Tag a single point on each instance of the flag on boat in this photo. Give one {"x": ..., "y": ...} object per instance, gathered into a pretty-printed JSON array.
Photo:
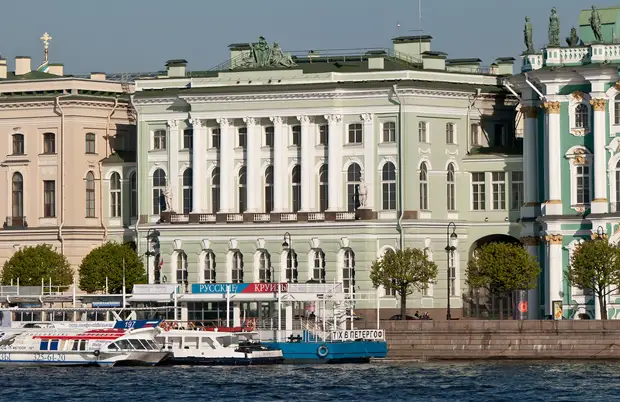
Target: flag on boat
[{"x": 151, "y": 324}]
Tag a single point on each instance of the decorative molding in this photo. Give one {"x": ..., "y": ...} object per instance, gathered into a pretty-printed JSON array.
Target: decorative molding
[
  {"x": 173, "y": 124},
  {"x": 315, "y": 243},
  {"x": 617, "y": 86},
  {"x": 251, "y": 121},
  {"x": 455, "y": 153},
  {"x": 177, "y": 244},
  {"x": 598, "y": 104},
  {"x": 206, "y": 244},
  {"x": 196, "y": 123},
  {"x": 613, "y": 147},
  {"x": 578, "y": 96},
  {"x": 552, "y": 107},
  {"x": 277, "y": 120},
  {"x": 530, "y": 240},
  {"x": 366, "y": 117},
  {"x": 224, "y": 122},
  {"x": 333, "y": 118},
  {"x": 344, "y": 242},
  {"x": 305, "y": 119},
  {"x": 553, "y": 238},
  {"x": 233, "y": 244},
  {"x": 424, "y": 151},
  {"x": 530, "y": 112},
  {"x": 260, "y": 243},
  {"x": 579, "y": 132}
]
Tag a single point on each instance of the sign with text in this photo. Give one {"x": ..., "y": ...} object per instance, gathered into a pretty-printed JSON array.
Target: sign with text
[
  {"x": 352, "y": 335},
  {"x": 235, "y": 288},
  {"x": 157, "y": 289}
]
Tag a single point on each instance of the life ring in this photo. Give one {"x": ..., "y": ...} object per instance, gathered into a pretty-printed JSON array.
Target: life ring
[
  {"x": 96, "y": 353},
  {"x": 250, "y": 325},
  {"x": 322, "y": 351}
]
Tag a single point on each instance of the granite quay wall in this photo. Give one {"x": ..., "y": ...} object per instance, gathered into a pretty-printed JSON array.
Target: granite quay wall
[{"x": 477, "y": 339}]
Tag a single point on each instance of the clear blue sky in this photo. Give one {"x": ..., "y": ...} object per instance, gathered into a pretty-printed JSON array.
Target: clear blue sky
[{"x": 140, "y": 35}]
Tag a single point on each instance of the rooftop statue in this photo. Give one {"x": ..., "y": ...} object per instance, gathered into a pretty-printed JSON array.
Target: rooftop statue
[
  {"x": 262, "y": 55},
  {"x": 573, "y": 39},
  {"x": 595, "y": 23},
  {"x": 554, "y": 28},
  {"x": 527, "y": 36}
]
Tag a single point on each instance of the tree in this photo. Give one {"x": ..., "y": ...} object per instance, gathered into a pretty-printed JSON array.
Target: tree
[
  {"x": 502, "y": 268},
  {"x": 595, "y": 266},
  {"x": 32, "y": 264},
  {"x": 403, "y": 271},
  {"x": 107, "y": 261}
]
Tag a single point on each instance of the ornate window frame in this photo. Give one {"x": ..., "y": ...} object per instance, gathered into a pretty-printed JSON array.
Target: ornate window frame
[
  {"x": 611, "y": 94},
  {"x": 579, "y": 156},
  {"x": 579, "y": 98}
]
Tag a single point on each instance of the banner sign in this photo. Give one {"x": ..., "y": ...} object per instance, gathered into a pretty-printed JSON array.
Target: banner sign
[
  {"x": 352, "y": 335},
  {"x": 234, "y": 288},
  {"x": 157, "y": 289}
]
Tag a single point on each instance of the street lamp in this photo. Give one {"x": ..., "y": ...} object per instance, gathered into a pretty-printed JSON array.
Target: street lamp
[
  {"x": 450, "y": 248},
  {"x": 599, "y": 233},
  {"x": 152, "y": 237}
]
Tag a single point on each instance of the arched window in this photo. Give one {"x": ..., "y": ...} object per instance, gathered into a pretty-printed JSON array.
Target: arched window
[
  {"x": 291, "y": 266},
  {"x": 115, "y": 195},
  {"x": 389, "y": 186},
  {"x": 348, "y": 272},
  {"x": 18, "y": 144},
  {"x": 209, "y": 267},
  {"x": 187, "y": 190},
  {"x": 243, "y": 196},
  {"x": 451, "y": 188},
  {"x": 18, "y": 195},
  {"x": 354, "y": 176},
  {"x": 423, "y": 187},
  {"x": 323, "y": 188},
  {"x": 181, "y": 267},
  {"x": 159, "y": 185},
  {"x": 49, "y": 143},
  {"x": 617, "y": 109},
  {"x": 90, "y": 195},
  {"x": 89, "y": 140},
  {"x": 133, "y": 194},
  {"x": 269, "y": 189},
  {"x": 237, "y": 267},
  {"x": 296, "y": 188},
  {"x": 215, "y": 190},
  {"x": 318, "y": 271},
  {"x": 264, "y": 267},
  {"x": 581, "y": 116}
]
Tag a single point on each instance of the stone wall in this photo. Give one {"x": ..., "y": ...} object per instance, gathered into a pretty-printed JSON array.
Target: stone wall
[{"x": 476, "y": 339}]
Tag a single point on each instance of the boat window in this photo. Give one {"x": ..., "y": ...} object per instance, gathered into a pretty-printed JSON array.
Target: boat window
[
  {"x": 44, "y": 345},
  {"x": 82, "y": 345},
  {"x": 113, "y": 346},
  {"x": 226, "y": 341},
  {"x": 136, "y": 344},
  {"x": 54, "y": 344},
  {"x": 153, "y": 345},
  {"x": 75, "y": 345},
  {"x": 123, "y": 344},
  {"x": 208, "y": 341}
]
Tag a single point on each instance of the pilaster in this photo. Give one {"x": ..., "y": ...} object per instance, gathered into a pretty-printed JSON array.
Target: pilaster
[
  {"x": 554, "y": 271},
  {"x": 369, "y": 158},
  {"x": 173, "y": 163},
  {"x": 253, "y": 165},
  {"x": 600, "y": 203},
  {"x": 279, "y": 165},
  {"x": 530, "y": 161},
  {"x": 227, "y": 144},
  {"x": 334, "y": 162},
  {"x": 554, "y": 183},
  {"x": 307, "y": 159},
  {"x": 533, "y": 295},
  {"x": 199, "y": 148}
]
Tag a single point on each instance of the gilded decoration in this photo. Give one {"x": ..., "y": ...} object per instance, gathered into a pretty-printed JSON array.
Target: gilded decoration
[
  {"x": 598, "y": 104},
  {"x": 578, "y": 96},
  {"x": 579, "y": 157},
  {"x": 552, "y": 107},
  {"x": 596, "y": 236},
  {"x": 530, "y": 240},
  {"x": 530, "y": 112},
  {"x": 617, "y": 86},
  {"x": 553, "y": 238}
]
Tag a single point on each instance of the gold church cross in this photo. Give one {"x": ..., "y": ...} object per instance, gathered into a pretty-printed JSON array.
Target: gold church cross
[{"x": 46, "y": 38}]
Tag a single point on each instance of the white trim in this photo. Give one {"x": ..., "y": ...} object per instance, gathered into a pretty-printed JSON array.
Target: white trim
[
  {"x": 572, "y": 105},
  {"x": 351, "y": 160},
  {"x": 611, "y": 94},
  {"x": 571, "y": 155}
]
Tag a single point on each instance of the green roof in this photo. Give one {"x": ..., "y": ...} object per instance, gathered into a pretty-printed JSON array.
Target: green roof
[
  {"x": 608, "y": 15},
  {"x": 119, "y": 157},
  {"x": 33, "y": 75}
]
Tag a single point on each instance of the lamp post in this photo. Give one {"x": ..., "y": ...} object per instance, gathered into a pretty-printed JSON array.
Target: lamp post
[
  {"x": 287, "y": 244},
  {"x": 599, "y": 233},
  {"x": 450, "y": 247},
  {"x": 152, "y": 237}
]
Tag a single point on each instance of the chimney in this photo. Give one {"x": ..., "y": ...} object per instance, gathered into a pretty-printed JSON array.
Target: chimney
[
  {"x": 176, "y": 68},
  {"x": 237, "y": 52},
  {"x": 412, "y": 47},
  {"x": 3, "y": 69},
  {"x": 97, "y": 76},
  {"x": 504, "y": 65},
  {"x": 22, "y": 65},
  {"x": 56, "y": 69},
  {"x": 376, "y": 59},
  {"x": 463, "y": 65},
  {"x": 434, "y": 60}
]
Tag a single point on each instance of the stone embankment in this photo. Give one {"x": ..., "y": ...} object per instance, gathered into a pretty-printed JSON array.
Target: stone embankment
[{"x": 474, "y": 339}]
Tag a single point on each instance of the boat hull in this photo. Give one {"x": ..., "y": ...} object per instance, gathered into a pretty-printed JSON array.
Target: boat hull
[
  {"x": 81, "y": 359},
  {"x": 329, "y": 352},
  {"x": 220, "y": 361}
]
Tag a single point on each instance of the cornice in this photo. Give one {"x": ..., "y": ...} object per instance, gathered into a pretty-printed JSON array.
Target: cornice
[{"x": 65, "y": 103}]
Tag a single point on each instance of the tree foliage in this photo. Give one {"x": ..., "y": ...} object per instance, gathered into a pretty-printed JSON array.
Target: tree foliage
[
  {"x": 106, "y": 261},
  {"x": 403, "y": 271},
  {"x": 595, "y": 266},
  {"x": 32, "y": 264}
]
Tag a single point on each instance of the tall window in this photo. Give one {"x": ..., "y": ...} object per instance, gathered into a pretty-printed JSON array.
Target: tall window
[
  {"x": 581, "y": 116},
  {"x": 388, "y": 175},
  {"x": 389, "y": 131},
  {"x": 242, "y": 138},
  {"x": 237, "y": 267},
  {"x": 296, "y": 140},
  {"x": 243, "y": 196},
  {"x": 423, "y": 131},
  {"x": 296, "y": 188},
  {"x": 348, "y": 272},
  {"x": 159, "y": 185},
  {"x": 474, "y": 132},
  {"x": 188, "y": 177},
  {"x": 323, "y": 134},
  {"x": 451, "y": 188},
  {"x": 209, "y": 267},
  {"x": 159, "y": 140},
  {"x": 478, "y": 191},
  {"x": 49, "y": 198},
  {"x": 18, "y": 195},
  {"x": 423, "y": 187},
  {"x": 452, "y": 271},
  {"x": 89, "y": 143},
  {"x": 49, "y": 143},
  {"x": 617, "y": 109},
  {"x": 215, "y": 190},
  {"x": 354, "y": 176},
  {"x": 498, "y": 137},
  {"x": 355, "y": 133},
  {"x": 318, "y": 272},
  {"x": 291, "y": 266},
  {"x": 617, "y": 187},
  {"x": 188, "y": 138},
  {"x": 516, "y": 190},
  {"x": 269, "y": 189},
  {"x": 115, "y": 195},
  {"x": 18, "y": 144},
  {"x": 450, "y": 133},
  {"x": 181, "y": 267},
  {"x": 215, "y": 138},
  {"x": 269, "y": 136},
  {"x": 583, "y": 184},
  {"x": 264, "y": 267},
  {"x": 133, "y": 194},
  {"x": 323, "y": 188},
  {"x": 90, "y": 195},
  {"x": 498, "y": 185}
]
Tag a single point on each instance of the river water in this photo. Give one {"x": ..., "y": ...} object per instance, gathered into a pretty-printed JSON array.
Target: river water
[{"x": 423, "y": 381}]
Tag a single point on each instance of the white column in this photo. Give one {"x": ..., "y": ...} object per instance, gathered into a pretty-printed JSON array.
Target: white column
[
  {"x": 555, "y": 269},
  {"x": 226, "y": 165},
  {"x": 173, "y": 164},
  {"x": 307, "y": 162},
  {"x": 530, "y": 161},
  {"x": 334, "y": 162},
  {"x": 554, "y": 203},
  {"x": 533, "y": 295},
  {"x": 599, "y": 203},
  {"x": 199, "y": 148},
  {"x": 280, "y": 193},
  {"x": 253, "y": 165},
  {"x": 369, "y": 159}
]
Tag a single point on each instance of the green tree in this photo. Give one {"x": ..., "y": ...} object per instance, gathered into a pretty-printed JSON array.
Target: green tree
[
  {"x": 595, "y": 266},
  {"x": 107, "y": 261},
  {"x": 403, "y": 271},
  {"x": 32, "y": 264}
]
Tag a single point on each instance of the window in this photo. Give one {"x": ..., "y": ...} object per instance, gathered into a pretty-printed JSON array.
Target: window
[
  {"x": 474, "y": 132},
  {"x": 617, "y": 109},
  {"x": 188, "y": 138},
  {"x": 264, "y": 267},
  {"x": 49, "y": 143},
  {"x": 269, "y": 136},
  {"x": 90, "y": 195},
  {"x": 451, "y": 188},
  {"x": 296, "y": 188},
  {"x": 428, "y": 290},
  {"x": 188, "y": 177},
  {"x": 318, "y": 272},
  {"x": 389, "y": 186},
  {"x": 498, "y": 186},
  {"x": 583, "y": 184},
  {"x": 291, "y": 266},
  {"x": 516, "y": 190},
  {"x": 450, "y": 133},
  {"x": 323, "y": 188},
  {"x": 133, "y": 194},
  {"x": 237, "y": 267},
  {"x": 269, "y": 189},
  {"x": 423, "y": 187},
  {"x": 181, "y": 267},
  {"x": 478, "y": 191},
  {"x": 296, "y": 139},
  {"x": 242, "y": 137},
  {"x": 215, "y": 190},
  {"x": 243, "y": 196},
  {"x": 215, "y": 138},
  {"x": 89, "y": 142},
  {"x": 348, "y": 272},
  {"x": 581, "y": 116},
  {"x": 452, "y": 272},
  {"x": 115, "y": 195},
  {"x": 389, "y": 131},
  {"x": 617, "y": 188},
  {"x": 324, "y": 134},
  {"x": 423, "y": 131},
  {"x": 498, "y": 138},
  {"x": 18, "y": 195},
  {"x": 49, "y": 199},
  {"x": 18, "y": 144},
  {"x": 354, "y": 177},
  {"x": 209, "y": 267},
  {"x": 355, "y": 133},
  {"x": 159, "y": 185}
]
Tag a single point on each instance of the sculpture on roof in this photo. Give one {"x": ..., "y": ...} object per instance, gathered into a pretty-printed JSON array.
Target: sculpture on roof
[
  {"x": 262, "y": 55},
  {"x": 278, "y": 57},
  {"x": 527, "y": 36},
  {"x": 573, "y": 39},
  {"x": 595, "y": 24},
  {"x": 554, "y": 28}
]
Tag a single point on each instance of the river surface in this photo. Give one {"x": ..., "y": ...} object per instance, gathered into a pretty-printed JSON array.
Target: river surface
[{"x": 415, "y": 381}]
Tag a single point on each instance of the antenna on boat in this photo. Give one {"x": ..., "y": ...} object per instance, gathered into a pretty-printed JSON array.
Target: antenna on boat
[{"x": 124, "y": 297}]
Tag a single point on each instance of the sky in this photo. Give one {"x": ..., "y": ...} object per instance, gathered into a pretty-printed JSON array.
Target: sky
[{"x": 116, "y": 36}]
